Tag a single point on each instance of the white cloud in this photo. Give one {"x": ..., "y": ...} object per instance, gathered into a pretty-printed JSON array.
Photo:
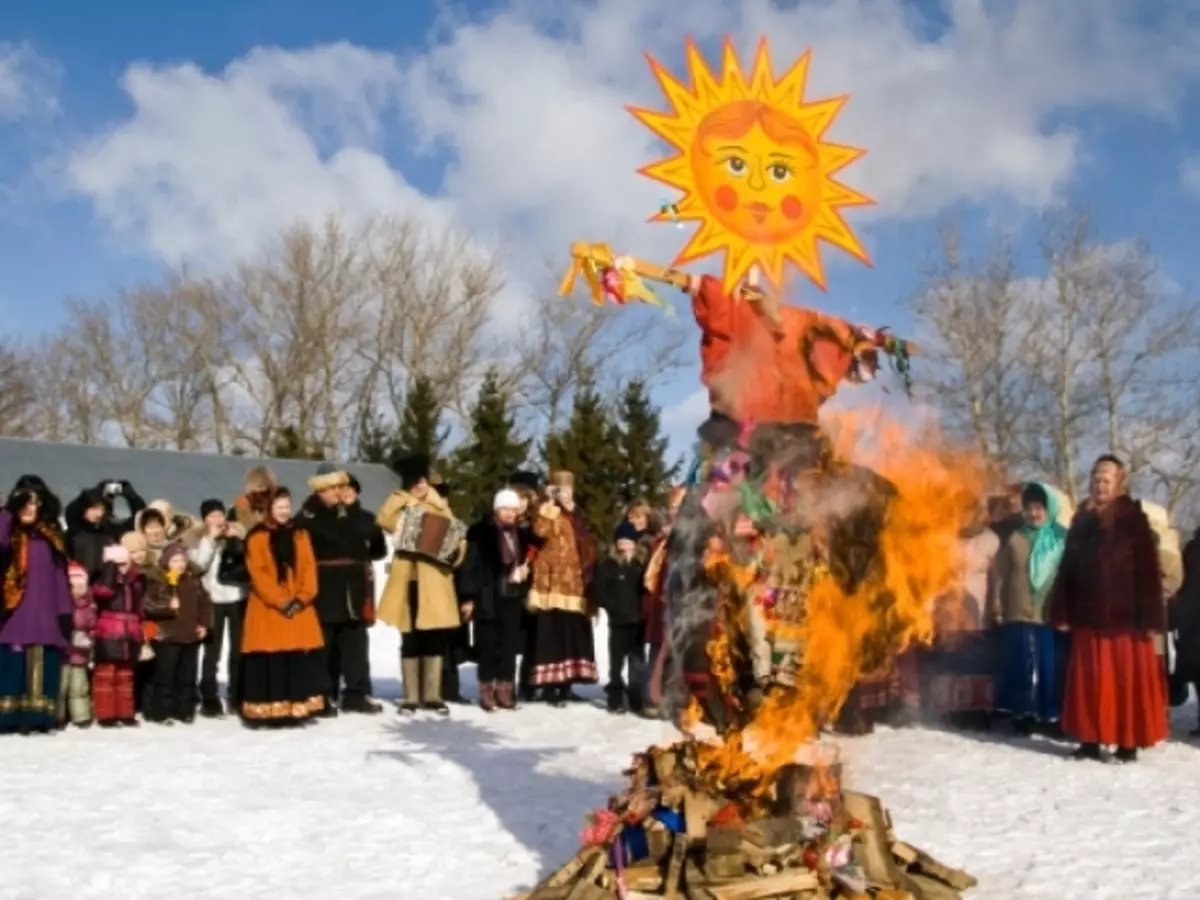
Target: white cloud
[{"x": 28, "y": 82}]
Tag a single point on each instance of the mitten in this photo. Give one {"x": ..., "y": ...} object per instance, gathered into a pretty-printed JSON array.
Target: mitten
[{"x": 292, "y": 608}]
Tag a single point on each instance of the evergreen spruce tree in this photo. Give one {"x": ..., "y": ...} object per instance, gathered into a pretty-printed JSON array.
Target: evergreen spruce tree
[
  {"x": 644, "y": 472},
  {"x": 376, "y": 441},
  {"x": 589, "y": 448},
  {"x": 421, "y": 428},
  {"x": 490, "y": 454}
]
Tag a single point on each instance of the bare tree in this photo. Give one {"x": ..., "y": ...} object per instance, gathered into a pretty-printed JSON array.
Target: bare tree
[
  {"x": 17, "y": 391},
  {"x": 65, "y": 404},
  {"x": 977, "y": 315}
]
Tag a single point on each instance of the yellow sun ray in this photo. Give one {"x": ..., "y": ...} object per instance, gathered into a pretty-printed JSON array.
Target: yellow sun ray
[{"x": 749, "y": 157}]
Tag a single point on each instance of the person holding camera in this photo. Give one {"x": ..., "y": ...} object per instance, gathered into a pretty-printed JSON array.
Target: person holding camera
[
  {"x": 282, "y": 683},
  {"x": 92, "y": 524},
  {"x": 217, "y": 548}
]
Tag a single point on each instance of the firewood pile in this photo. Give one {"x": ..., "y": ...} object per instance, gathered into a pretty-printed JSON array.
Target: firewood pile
[{"x": 669, "y": 836}]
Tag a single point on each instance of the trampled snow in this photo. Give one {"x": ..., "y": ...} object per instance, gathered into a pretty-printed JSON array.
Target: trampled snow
[{"x": 478, "y": 807}]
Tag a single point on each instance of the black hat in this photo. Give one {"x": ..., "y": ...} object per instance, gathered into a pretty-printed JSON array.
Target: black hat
[
  {"x": 208, "y": 507},
  {"x": 531, "y": 480},
  {"x": 353, "y": 483},
  {"x": 626, "y": 532},
  {"x": 412, "y": 469}
]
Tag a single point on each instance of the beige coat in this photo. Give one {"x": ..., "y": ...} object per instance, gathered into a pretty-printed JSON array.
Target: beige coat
[
  {"x": 437, "y": 607},
  {"x": 1010, "y": 596}
]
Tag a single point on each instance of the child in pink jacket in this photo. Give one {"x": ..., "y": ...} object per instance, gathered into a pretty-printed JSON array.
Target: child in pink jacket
[{"x": 75, "y": 697}]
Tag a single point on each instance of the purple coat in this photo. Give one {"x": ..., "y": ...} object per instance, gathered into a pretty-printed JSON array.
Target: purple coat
[{"x": 47, "y": 595}]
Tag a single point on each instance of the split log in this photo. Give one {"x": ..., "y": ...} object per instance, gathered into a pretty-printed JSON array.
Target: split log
[
  {"x": 565, "y": 875},
  {"x": 587, "y": 890},
  {"x": 723, "y": 839},
  {"x": 923, "y": 887},
  {"x": 643, "y": 876},
  {"x": 922, "y": 862},
  {"x": 872, "y": 850},
  {"x": 783, "y": 885},
  {"x": 675, "y": 869}
]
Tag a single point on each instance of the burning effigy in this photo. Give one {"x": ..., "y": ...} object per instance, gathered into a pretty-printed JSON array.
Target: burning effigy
[{"x": 810, "y": 547}]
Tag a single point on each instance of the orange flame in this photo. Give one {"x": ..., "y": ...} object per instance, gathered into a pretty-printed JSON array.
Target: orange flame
[{"x": 848, "y": 635}]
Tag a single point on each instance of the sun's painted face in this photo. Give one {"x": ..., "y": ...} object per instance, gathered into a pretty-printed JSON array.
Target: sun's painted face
[
  {"x": 753, "y": 167},
  {"x": 762, "y": 189}
]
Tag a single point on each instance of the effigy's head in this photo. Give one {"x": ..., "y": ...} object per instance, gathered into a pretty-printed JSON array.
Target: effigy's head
[
  {"x": 750, "y": 157},
  {"x": 803, "y": 559}
]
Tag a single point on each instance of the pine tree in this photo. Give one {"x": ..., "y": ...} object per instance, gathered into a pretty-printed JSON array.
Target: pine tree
[
  {"x": 421, "y": 428},
  {"x": 376, "y": 440},
  {"x": 492, "y": 452},
  {"x": 644, "y": 472},
  {"x": 588, "y": 448}
]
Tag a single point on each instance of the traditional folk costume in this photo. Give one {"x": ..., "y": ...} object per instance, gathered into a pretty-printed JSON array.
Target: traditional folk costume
[
  {"x": 565, "y": 652},
  {"x": 460, "y": 647},
  {"x": 419, "y": 598},
  {"x": 345, "y": 541},
  {"x": 181, "y": 607},
  {"x": 1109, "y": 593},
  {"x": 1031, "y": 655},
  {"x": 35, "y": 615},
  {"x": 75, "y": 694},
  {"x": 120, "y": 610},
  {"x": 495, "y": 578},
  {"x": 282, "y": 682}
]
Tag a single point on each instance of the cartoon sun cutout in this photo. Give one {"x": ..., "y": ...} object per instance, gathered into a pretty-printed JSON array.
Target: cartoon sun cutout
[{"x": 753, "y": 167}]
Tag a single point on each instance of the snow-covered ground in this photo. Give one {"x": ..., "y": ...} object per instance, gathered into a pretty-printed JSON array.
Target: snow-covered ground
[{"x": 477, "y": 807}]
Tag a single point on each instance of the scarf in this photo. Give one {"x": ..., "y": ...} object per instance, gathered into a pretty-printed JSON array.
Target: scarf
[
  {"x": 283, "y": 549},
  {"x": 510, "y": 545},
  {"x": 16, "y": 578},
  {"x": 1046, "y": 546}
]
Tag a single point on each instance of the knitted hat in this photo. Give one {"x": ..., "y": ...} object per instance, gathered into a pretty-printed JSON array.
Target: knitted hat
[
  {"x": 329, "y": 476},
  {"x": 169, "y": 552},
  {"x": 208, "y": 507},
  {"x": 626, "y": 532},
  {"x": 506, "y": 498},
  {"x": 77, "y": 573}
]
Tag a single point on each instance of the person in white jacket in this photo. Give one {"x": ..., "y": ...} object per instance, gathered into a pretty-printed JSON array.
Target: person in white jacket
[{"x": 216, "y": 547}]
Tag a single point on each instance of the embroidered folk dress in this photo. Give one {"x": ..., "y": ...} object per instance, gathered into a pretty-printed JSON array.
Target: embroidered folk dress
[{"x": 32, "y": 645}]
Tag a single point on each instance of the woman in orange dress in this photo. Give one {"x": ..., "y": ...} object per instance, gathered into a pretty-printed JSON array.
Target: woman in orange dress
[
  {"x": 1108, "y": 593},
  {"x": 281, "y": 680}
]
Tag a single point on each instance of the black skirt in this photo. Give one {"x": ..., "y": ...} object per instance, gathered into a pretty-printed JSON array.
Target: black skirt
[
  {"x": 281, "y": 687},
  {"x": 565, "y": 651}
]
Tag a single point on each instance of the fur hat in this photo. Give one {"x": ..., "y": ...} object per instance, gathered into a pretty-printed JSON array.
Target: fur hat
[
  {"x": 412, "y": 469},
  {"x": 531, "y": 480},
  {"x": 506, "y": 498},
  {"x": 134, "y": 542},
  {"x": 328, "y": 477},
  {"x": 562, "y": 478},
  {"x": 259, "y": 480}
]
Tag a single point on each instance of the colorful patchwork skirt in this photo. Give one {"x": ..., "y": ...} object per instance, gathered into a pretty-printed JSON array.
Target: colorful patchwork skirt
[
  {"x": 30, "y": 680},
  {"x": 281, "y": 687}
]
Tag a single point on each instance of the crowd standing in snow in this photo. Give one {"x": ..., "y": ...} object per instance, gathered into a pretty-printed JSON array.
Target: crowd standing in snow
[{"x": 1063, "y": 624}]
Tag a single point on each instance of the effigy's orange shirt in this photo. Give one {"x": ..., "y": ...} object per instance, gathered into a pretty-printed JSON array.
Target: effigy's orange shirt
[{"x": 754, "y": 375}]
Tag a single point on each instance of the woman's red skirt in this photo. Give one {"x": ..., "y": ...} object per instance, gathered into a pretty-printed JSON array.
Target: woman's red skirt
[{"x": 1116, "y": 693}]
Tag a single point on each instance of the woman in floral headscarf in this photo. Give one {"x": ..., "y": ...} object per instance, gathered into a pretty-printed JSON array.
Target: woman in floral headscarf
[
  {"x": 1032, "y": 655},
  {"x": 35, "y": 612}
]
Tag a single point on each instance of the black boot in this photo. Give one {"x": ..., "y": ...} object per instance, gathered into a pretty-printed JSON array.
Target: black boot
[
  {"x": 1088, "y": 752},
  {"x": 1125, "y": 755},
  {"x": 361, "y": 704},
  {"x": 212, "y": 708},
  {"x": 328, "y": 711}
]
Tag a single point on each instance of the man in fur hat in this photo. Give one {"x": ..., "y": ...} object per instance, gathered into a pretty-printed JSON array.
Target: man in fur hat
[
  {"x": 343, "y": 546},
  {"x": 419, "y": 599}
]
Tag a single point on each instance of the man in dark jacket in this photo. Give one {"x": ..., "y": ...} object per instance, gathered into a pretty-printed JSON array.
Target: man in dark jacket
[
  {"x": 92, "y": 523},
  {"x": 344, "y": 545},
  {"x": 617, "y": 589}
]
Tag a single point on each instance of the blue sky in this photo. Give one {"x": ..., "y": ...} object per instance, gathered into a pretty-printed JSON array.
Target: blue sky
[{"x": 989, "y": 111}]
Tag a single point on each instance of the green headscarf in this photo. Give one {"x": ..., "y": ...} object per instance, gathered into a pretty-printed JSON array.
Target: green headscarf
[{"x": 1047, "y": 543}]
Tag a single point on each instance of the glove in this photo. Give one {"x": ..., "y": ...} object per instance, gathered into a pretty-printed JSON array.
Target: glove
[
  {"x": 293, "y": 607},
  {"x": 65, "y": 625}
]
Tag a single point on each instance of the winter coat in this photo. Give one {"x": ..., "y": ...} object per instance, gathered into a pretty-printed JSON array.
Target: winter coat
[
  {"x": 222, "y": 562},
  {"x": 86, "y": 542},
  {"x": 654, "y": 598},
  {"x": 1185, "y": 613},
  {"x": 43, "y": 615},
  {"x": 178, "y": 626},
  {"x": 565, "y": 563},
  {"x": 1010, "y": 595},
  {"x": 483, "y": 578},
  {"x": 120, "y": 608},
  {"x": 1109, "y": 576},
  {"x": 83, "y": 627},
  {"x": 109, "y": 524},
  {"x": 267, "y": 629},
  {"x": 437, "y": 607},
  {"x": 345, "y": 540},
  {"x": 617, "y": 589}
]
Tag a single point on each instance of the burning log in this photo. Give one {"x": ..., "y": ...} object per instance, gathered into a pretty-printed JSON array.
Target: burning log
[{"x": 670, "y": 835}]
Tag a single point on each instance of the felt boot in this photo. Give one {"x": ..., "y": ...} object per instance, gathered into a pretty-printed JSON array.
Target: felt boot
[
  {"x": 410, "y": 670},
  {"x": 431, "y": 686}
]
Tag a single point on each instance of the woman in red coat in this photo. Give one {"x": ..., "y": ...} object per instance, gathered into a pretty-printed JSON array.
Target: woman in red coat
[{"x": 1108, "y": 594}]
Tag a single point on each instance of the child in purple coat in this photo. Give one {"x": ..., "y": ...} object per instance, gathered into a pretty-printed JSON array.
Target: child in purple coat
[{"x": 75, "y": 701}]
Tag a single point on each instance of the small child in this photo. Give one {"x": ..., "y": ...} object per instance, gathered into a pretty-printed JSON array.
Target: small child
[
  {"x": 617, "y": 589},
  {"x": 75, "y": 700},
  {"x": 120, "y": 603},
  {"x": 177, "y": 601}
]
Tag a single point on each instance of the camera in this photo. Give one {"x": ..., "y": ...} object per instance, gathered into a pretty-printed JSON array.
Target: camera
[{"x": 113, "y": 488}]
